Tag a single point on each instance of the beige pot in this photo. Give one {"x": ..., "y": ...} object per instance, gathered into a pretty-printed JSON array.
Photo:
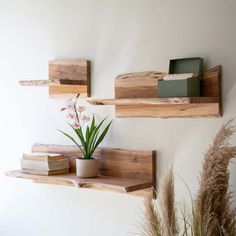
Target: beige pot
[{"x": 86, "y": 168}]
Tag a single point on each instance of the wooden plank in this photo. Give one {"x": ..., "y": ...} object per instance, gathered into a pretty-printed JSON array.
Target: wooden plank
[
  {"x": 50, "y": 82},
  {"x": 126, "y": 163},
  {"x": 113, "y": 162},
  {"x": 60, "y": 91},
  {"x": 41, "y": 83},
  {"x": 153, "y": 101},
  {"x": 68, "y": 69},
  {"x": 122, "y": 185},
  {"x": 170, "y": 111},
  {"x": 211, "y": 85},
  {"x": 211, "y": 82},
  {"x": 137, "y": 85},
  {"x": 144, "y": 193},
  {"x": 77, "y": 70}
]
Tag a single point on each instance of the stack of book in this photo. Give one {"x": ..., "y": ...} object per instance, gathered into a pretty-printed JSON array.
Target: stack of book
[{"x": 44, "y": 164}]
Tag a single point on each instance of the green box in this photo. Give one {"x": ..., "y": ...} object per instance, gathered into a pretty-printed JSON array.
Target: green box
[
  {"x": 179, "y": 88},
  {"x": 187, "y": 65},
  {"x": 182, "y": 88}
]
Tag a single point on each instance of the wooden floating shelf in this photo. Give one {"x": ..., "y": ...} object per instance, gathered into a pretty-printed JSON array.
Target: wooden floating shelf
[
  {"x": 136, "y": 95},
  {"x": 65, "y": 77},
  {"x": 122, "y": 185},
  {"x": 120, "y": 170},
  {"x": 153, "y": 101},
  {"x": 50, "y": 82}
]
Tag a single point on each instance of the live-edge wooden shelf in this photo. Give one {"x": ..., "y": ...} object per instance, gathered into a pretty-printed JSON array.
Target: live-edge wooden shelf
[
  {"x": 50, "y": 82},
  {"x": 120, "y": 170},
  {"x": 65, "y": 77},
  {"x": 136, "y": 95},
  {"x": 152, "y": 101},
  {"x": 122, "y": 185}
]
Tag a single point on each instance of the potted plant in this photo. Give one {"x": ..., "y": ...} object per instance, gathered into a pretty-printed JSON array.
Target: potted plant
[{"x": 88, "y": 135}]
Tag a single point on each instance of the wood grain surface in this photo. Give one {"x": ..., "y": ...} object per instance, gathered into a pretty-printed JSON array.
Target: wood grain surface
[
  {"x": 145, "y": 85},
  {"x": 72, "y": 70},
  {"x": 152, "y": 101},
  {"x": 122, "y": 185},
  {"x": 114, "y": 162},
  {"x": 50, "y": 82},
  {"x": 137, "y": 85},
  {"x": 120, "y": 170}
]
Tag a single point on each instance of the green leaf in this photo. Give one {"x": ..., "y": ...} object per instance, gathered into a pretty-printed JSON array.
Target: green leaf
[
  {"x": 80, "y": 136},
  {"x": 73, "y": 140},
  {"x": 87, "y": 134},
  {"x": 92, "y": 124},
  {"x": 92, "y": 139},
  {"x": 80, "y": 133},
  {"x": 102, "y": 136},
  {"x": 94, "y": 143}
]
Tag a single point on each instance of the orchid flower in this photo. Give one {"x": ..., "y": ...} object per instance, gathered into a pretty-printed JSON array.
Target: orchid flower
[{"x": 91, "y": 137}]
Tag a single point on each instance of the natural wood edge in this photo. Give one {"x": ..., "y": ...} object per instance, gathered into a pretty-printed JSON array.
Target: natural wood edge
[
  {"x": 137, "y": 193},
  {"x": 65, "y": 95},
  {"x": 153, "y": 74},
  {"x": 41, "y": 83},
  {"x": 216, "y": 69},
  {"x": 170, "y": 117},
  {"x": 62, "y": 182},
  {"x": 152, "y": 101},
  {"x": 51, "y": 82},
  {"x": 136, "y": 189},
  {"x": 75, "y": 62},
  {"x": 144, "y": 192},
  {"x": 193, "y": 111},
  {"x": 88, "y": 79},
  {"x": 41, "y": 178}
]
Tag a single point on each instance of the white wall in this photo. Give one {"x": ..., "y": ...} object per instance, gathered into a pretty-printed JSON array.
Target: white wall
[{"x": 119, "y": 37}]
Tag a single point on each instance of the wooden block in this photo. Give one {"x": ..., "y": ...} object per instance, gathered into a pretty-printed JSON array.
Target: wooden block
[
  {"x": 72, "y": 70},
  {"x": 60, "y": 91},
  {"x": 137, "y": 85},
  {"x": 69, "y": 69},
  {"x": 170, "y": 110}
]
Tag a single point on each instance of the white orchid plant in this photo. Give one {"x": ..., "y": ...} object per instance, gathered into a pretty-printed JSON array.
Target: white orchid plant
[{"x": 90, "y": 136}]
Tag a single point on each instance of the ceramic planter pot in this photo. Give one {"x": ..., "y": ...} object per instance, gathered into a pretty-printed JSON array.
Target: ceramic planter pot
[{"x": 86, "y": 168}]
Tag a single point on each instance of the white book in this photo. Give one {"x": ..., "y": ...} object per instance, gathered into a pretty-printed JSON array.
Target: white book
[
  {"x": 178, "y": 76},
  {"x": 44, "y": 165},
  {"x": 43, "y": 156},
  {"x": 46, "y": 172}
]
